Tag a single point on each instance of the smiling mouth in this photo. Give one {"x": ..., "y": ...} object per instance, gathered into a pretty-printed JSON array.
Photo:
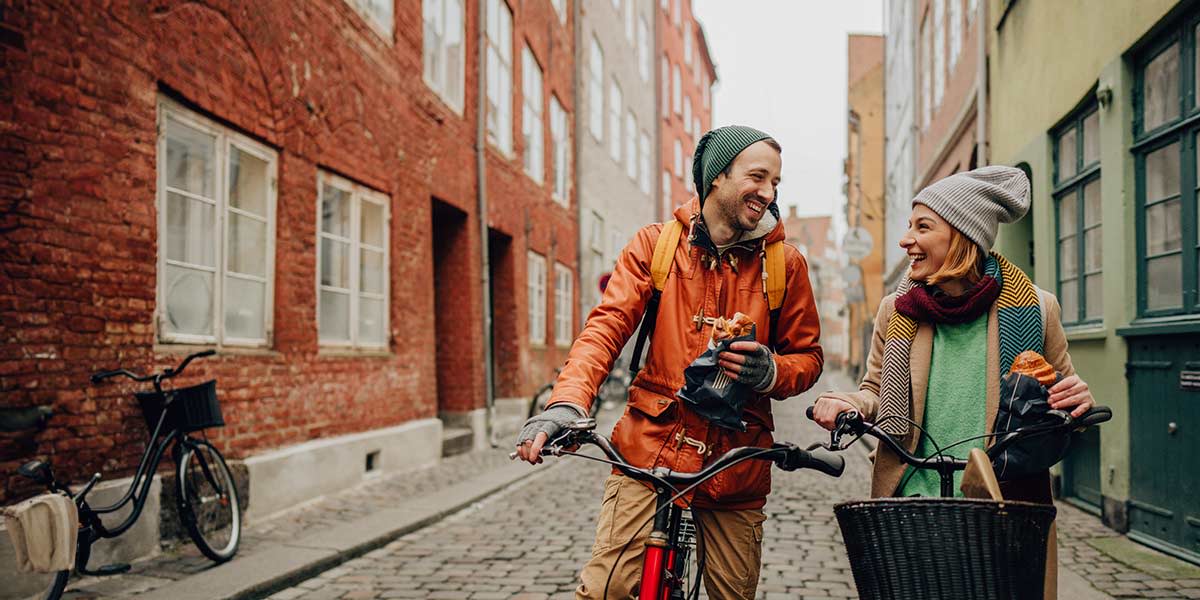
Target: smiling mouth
[
  {"x": 916, "y": 259},
  {"x": 755, "y": 206}
]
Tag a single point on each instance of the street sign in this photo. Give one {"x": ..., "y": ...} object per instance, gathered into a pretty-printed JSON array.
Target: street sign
[
  {"x": 857, "y": 244},
  {"x": 851, "y": 274}
]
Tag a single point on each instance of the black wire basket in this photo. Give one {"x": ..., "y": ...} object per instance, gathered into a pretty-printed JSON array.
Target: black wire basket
[
  {"x": 193, "y": 408},
  {"x": 946, "y": 548}
]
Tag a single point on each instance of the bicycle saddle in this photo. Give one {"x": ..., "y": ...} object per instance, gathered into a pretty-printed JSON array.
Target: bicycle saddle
[{"x": 38, "y": 471}]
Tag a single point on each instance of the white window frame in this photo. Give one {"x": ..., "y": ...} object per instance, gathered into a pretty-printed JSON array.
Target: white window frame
[
  {"x": 358, "y": 195},
  {"x": 676, "y": 90},
  {"x": 225, "y": 140},
  {"x": 697, "y": 131},
  {"x": 675, "y": 12},
  {"x": 666, "y": 194},
  {"x": 561, "y": 152},
  {"x": 687, "y": 114},
  {"x": 678, "y": 159},
  {"x": 384, "y": 25},
  {"x": 706, "y": 88},
  {"x": 645, "y": 56},
  {"x": 687, "y": 48},
  {"x": 615, "y": 99},
  {"x": 926, "y": 33},
  {"x": 435, "y": 53},
  {"x": 532, "y": 122},
  {"x": 535, "y": 283},
  {"x": 628, "y": 14},
  {"x": 644, "y": 156},
  {"x": 687, "y": 169},
  {"x": 596, "y": 90},
  {"x": 666, "y": 88},
  {"x": 956, "y": 31},
  {"x": 499, "y": 62},
  {"x": 564, "y": 293},
  {"x": 631, "y": 150},
  {"x": 939, "y": 51},
  {"x": 560, "y": 7}
]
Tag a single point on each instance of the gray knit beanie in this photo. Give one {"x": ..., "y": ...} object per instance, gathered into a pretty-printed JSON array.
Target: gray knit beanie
[
  {"x": 716, "y": 150},
  {"x": 976, "y": 202}
]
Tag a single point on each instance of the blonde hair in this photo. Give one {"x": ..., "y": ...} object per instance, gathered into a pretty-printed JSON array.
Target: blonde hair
[{"x": 964, "y": 259}]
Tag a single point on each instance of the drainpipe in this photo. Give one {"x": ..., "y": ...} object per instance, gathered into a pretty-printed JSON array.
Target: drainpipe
[
  {"x": 482, "y": 211},
  {"x": 981, "y": 83},
  {"x": 576, "y": 149}
]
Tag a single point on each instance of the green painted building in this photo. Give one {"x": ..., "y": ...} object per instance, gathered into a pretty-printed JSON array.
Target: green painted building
[{"x": 1099, "y": 101}]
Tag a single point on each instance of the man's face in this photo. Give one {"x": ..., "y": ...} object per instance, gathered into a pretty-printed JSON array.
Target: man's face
[{"x": 743, "y": 195}]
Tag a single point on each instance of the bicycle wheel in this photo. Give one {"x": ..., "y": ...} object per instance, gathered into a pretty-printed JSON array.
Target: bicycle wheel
[
  {"x": 207, "y": 501},
  {"x": 54, "y": 585},
  {"x": 537, "y": 403}
]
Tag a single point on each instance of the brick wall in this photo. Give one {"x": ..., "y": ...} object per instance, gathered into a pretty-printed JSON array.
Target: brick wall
[
  {"x": 327, "y": 92},
  {"x": 671, "y": 45}
]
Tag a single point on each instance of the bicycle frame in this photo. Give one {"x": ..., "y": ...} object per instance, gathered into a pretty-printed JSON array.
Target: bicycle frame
[{"x": 665, "y": 556}]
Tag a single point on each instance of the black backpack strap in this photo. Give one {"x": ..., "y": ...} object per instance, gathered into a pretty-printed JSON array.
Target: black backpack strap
[
  {"x": 772, "y": 340},
  {"x": 647, "y": 327}
]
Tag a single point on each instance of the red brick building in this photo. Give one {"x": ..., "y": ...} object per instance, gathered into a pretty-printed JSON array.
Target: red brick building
[
  {"x": 814, "y": 237},
  {"x": 296, "y": 185},
  {"x": 949, "y": 77},
  {"x": 686, "y": 76}
]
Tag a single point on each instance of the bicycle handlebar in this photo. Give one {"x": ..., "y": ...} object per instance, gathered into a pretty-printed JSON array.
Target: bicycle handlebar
[
  {"x": 787, "y": 456},
  {"x": 166, "y": 374}
]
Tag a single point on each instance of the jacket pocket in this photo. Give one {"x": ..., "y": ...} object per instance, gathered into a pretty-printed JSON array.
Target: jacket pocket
[
  {"x": 649, "y": 403},
  {"x": 748, "y": 480}
]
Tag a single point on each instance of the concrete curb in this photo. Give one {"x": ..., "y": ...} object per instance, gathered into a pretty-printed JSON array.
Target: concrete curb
[{"x": 278, "y": 566}]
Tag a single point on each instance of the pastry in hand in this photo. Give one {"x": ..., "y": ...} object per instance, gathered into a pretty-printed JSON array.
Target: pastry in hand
[
  {"x": 737, "y": 326},
  {"x": 1031, "y": 364}
]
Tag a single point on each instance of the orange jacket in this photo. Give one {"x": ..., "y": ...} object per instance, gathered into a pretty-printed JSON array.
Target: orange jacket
[{"x": 657, "y": 428}]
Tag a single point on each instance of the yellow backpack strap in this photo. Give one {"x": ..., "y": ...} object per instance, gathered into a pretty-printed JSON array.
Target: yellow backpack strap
[
  {"x": 664, "y": 252},
  {"x": 776, "y": 274}
]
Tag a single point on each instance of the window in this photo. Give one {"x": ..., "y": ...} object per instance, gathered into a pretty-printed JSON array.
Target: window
[
  {"x": 687, "y": 171},
  {"x": 696, "y": 127},
  {"x": 1165, "y": 158},
  {"x": 676, "y": 91},
  {"x": 644, "y": 154},
  {"x": 687, "y": 114},
  {"x": 667, "y": 202},
  {"x": 631, "y": 155},
  {"x": 560, "y": 7},
  {"x": 706, "y": 89},
  {"x": 687, "y": 48},
  {"x": 378, "y": 14},
  {"x": 645, "y": 60},
  {"x": 443, "y": 51},
  {"x": 614, "y": 121},
  {"x": 596, "y": 241},
  {"x": 696, "y": 71},
  {"x": 955, "y": 31},
  {"x": 216, "y": 232},
  {"x": 629, "y": 20},
  {"x": 664, "y": 6},
  {"x": 926, "y": 73},
  {"x": 675, "y": 12},
  {"x": 560, "y": 151},
  {"x": 939, "y": 51},
  {"x": 1080, "y": 234},
  {"x": 499, "y": 75},
  {"x": 972, "y": 8},
  {"x": 352, "y": 269},
  {"x": 596, "y": 91},
  {"x": 678, "y": 159},
  {"x": 536, "y": 270},
  {"x": 531, "y": 117},
  {"x": 563, "y": 294},
  {"x": 666, "y": 89}
]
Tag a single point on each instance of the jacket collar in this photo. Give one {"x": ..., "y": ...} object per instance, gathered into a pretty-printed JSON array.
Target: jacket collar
[{"x": 769, "y": 229}]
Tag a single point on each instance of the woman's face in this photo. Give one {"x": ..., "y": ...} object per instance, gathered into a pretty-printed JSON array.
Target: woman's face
[{"x": 926, "y": 242}]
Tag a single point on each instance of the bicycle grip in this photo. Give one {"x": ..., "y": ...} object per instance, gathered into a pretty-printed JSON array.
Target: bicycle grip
[
  {"x": 827, "y": 462},
  {"x": 102, "y": 375},
  {"x": 808, "y": 412},
  {"x": 1095, "y": 416}
]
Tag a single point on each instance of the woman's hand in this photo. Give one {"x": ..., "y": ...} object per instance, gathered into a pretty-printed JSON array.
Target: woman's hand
[
  {"x": 826, "y": 410},
  {"x": 1071, "y": 394}
]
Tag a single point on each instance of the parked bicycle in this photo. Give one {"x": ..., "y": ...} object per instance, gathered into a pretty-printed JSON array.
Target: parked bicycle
[
  {"x": 666, "y": 570},
  {"x": 206, "y": 496},
  {"x": 947, "y": 547},
  {"x": 612, "y": 390}
]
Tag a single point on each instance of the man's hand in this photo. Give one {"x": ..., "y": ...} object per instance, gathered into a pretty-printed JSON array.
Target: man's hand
[
  {"x": 1071, "y": 394},
  {"x": 827, "y": 409},
  {"x": 539, "y": 429},
  {"x": 750, "y": 363}
]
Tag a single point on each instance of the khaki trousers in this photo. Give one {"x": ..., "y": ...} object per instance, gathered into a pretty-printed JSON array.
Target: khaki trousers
[{"x": 731, "y": 541}]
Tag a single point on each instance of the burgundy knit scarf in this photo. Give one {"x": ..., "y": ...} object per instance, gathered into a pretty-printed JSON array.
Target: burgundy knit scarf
[{"x": 923, "y": 305}]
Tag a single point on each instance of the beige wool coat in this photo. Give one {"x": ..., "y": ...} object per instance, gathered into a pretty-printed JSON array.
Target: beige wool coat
[{"x": 888, "y": 468}]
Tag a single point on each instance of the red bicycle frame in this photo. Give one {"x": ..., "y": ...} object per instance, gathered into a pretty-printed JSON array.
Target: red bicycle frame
[{"x": 665, "y": 555}]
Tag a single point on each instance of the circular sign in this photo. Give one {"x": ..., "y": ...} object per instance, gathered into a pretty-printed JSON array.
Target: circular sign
[
  {"x": 851, "y": 274},
  {"x": 857, "y": 244}
]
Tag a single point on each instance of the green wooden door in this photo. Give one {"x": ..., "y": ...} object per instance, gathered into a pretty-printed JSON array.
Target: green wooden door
[
  {"x": 1081, "y": 468},
  {"x": 1164, "y": 505}
]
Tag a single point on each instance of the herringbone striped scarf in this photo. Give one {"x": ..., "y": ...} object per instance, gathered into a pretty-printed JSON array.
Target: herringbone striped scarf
[{"x": 1020, "y": 322}]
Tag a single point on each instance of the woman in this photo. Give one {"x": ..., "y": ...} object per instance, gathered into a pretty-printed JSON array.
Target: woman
[{"x": 952, "y": 328}]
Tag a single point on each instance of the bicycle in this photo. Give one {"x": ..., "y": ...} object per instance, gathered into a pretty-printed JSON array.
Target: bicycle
[
  {"x": 664, "y": 574},
  {"x": 614, "y": 387},
  {"x": 947, "y": 547},
  {"x": 207, "y": 499}
]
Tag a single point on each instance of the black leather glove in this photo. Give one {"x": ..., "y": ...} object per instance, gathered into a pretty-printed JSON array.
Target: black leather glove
[
  {"x": 552, "y": 422},
  {"x": 758, "y": 371}
]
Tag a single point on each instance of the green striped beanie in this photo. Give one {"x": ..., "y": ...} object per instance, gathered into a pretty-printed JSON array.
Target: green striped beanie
[{"x": 717, "y": 149}]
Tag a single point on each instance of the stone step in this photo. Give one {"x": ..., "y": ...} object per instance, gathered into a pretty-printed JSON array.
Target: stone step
[{"x": 457, "y": 440}]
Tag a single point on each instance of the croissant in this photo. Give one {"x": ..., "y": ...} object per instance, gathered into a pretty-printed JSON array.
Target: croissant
[
  {"x": 736, "y": 326},
  {"x": 1031, "y": 364}
]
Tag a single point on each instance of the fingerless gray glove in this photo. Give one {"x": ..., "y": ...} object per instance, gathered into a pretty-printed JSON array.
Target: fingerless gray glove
[
  {"x": 758, "y": 371},
  {"x": 552, "y": 421}
]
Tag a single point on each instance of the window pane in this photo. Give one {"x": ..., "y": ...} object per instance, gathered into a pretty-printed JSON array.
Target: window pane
[
  {"x": 189, "y": 300},
  {"x": 245, "y": 302},
  {"x": 1162, "y": 172},
  {"x": 371, "y": 276},
  {"x": 247, "y": 245},
  {"x": 335, "y": 211},
  {"x": 1092, "y": 207},
  {"x": 372, "y": 326},
  {"x": 247, "y": 182},
  {"x": 335, "y": 263},
  {"x": 1068, "y": 257},
  {"x": 1066, "y": 155},
  {"x": 372, "y": 223},
  {"x": 335, "y": 316},
  {"x": 1160, "y": 89},
  {"x": 1162, "y": 227},
  {"x": 1094, "y": 303},
  {"x": 1091, "y": 138},
  {"x": 1093, "y": 249},
  {"x": 191, "y": 226},
  {"x": 1068, "y": 300},
  {"x": 190, "y": 157},
  {"x": 1067, "y": 222},
  {"x": 1164, "y": 282}
]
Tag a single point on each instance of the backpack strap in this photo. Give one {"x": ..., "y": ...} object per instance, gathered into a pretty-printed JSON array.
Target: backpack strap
[
  {"x": 660, "y": 268},
  {"x": 774, "y": 284}
]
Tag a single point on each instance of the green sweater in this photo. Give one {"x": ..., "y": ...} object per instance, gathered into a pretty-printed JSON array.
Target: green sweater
[{"x": 955, "y": 403}]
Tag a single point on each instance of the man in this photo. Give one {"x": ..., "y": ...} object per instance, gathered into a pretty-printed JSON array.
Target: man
[{"x": 717, "y": 271}]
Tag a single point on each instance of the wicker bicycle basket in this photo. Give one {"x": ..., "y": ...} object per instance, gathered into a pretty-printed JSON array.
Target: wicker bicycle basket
[
  {"x": 193, "y": 408},
  {"x": 946, "y": 548}
]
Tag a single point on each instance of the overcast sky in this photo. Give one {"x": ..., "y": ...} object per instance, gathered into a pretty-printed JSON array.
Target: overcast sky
[{"x": 781, "y": 66}]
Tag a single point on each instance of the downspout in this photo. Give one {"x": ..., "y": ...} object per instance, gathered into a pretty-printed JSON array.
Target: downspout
[
  {"x": 576, "y": 149},
  {"x": 482, "y": 211},
  {"x": 981, "y": 83}
]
